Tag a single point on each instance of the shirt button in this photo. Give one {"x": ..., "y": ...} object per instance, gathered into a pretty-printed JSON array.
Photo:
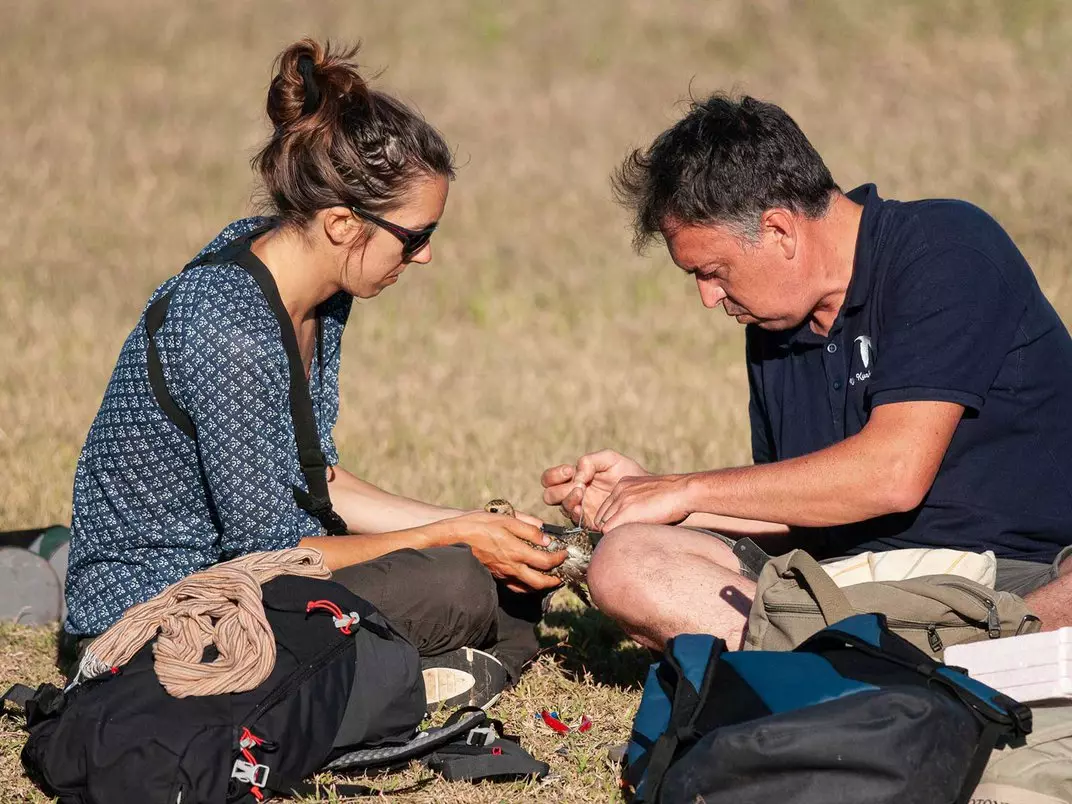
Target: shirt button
[
  {"x": 831, "y": 348},
  {"x": 837, "y": 385}
]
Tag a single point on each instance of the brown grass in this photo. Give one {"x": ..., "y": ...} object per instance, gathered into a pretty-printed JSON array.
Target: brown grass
[{"x": 536, "y": 334}]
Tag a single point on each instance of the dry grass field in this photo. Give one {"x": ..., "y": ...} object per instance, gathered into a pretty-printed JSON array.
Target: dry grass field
[{"x": 536, "y": 334}]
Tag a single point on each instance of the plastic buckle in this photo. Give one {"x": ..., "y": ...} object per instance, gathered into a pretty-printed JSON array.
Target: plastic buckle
[
  {"x": 248, "y": 773},
  {"x": 347, "y": 621},
  {"x": 485, "y": 734}
]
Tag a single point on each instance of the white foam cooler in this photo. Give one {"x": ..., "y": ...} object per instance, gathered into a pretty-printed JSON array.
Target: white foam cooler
[{"x": 1032, "y": 667}]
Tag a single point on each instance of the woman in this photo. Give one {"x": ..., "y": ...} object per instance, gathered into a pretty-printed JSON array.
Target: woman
[{"x": 214, "y": 436}]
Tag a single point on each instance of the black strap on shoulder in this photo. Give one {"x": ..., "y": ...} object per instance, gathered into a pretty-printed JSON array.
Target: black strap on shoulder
[
  {"x": 313, "y": 466},
  {"x": 154, "y": 319},
  {"x": 316, "y": 501}
]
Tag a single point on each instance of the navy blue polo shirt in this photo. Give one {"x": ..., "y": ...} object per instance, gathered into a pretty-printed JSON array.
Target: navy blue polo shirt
[{"x": 941, "y": 307}]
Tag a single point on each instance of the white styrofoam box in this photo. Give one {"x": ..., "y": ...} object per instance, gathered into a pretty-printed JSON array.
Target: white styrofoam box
[{"x": 1032, "y": 667}]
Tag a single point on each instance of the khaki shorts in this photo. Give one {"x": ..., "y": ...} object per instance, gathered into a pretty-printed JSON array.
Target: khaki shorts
[{"x": 1018, "y": 577}]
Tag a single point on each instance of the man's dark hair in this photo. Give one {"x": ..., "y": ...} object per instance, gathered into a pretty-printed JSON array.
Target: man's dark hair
[{"x": 726, "y": 162}]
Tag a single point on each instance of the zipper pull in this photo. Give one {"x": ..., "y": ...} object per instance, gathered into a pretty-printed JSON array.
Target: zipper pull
[
  {"x": 993, "y": 621},
  {"x": 934, "y": 639}
]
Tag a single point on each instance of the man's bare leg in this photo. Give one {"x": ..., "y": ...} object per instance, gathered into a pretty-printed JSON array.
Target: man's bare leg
[
  {"x": 659, "y": 581},
  {"x": 1052, "y": 603}
]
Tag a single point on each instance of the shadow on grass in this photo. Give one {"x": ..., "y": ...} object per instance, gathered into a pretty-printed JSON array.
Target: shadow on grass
[{"x": 595, "y": 644}]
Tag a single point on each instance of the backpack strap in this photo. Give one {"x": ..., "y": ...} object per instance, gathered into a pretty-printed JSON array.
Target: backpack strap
[
  {"x": 831, "y": 600},
  {"x": 686, "y": 702},
  {"x": 317, "y": 500},
  {"x": 998, "y": 715},
  {"x": 18, "y": 694},
  {"x": 458, "y": 725},
  {"x": 313, "y": 466},
  {"x": 349, "y": 790},
  {"x": 154, "y": 319}
]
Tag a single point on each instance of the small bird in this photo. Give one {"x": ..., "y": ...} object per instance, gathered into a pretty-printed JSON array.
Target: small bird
[{"x": 577, "y": 542}]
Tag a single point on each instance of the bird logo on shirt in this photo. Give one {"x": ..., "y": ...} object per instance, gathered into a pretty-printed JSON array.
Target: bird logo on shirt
[{"x": 866, "y": 350}]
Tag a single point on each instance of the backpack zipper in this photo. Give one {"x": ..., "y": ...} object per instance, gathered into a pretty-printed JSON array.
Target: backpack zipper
[
  {"x": 296, "y": 679},
  {"x": 993, "y": 620},
  {"x": 934, "y": 639}
]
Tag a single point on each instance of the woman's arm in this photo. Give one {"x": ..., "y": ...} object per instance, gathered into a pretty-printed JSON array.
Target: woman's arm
[
  {"x": 500, "y": 543},
  {"x": 369, "y": 509}
]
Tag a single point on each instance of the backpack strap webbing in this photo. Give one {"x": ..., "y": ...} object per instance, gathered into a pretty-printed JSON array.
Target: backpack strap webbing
[
  {"x": 350, "y": 789},
  {"x": 313, "y": 466},
  {"x": 154, "y": 319},
  {"x": 686, "y": 702},
  {"x": 316, "y": 501},
  {"x": 18, "y": 694}
]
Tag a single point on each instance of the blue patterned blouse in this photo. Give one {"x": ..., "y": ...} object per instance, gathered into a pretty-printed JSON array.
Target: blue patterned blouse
[{"x": 151, "y": 505}]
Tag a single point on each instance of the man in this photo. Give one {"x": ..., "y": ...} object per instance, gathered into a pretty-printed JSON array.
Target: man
[{"x": 909, "y": 384}]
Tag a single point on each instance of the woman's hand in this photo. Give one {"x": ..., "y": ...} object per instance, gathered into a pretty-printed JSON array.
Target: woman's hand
[
  {"x": 503, "y": 545},
  {"x": 593, "y": 479}
]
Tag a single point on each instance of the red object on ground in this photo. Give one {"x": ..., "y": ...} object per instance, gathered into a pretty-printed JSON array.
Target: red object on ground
[
  {"x": 586, "y": 723},
  {"x": 554, "y": 723}
]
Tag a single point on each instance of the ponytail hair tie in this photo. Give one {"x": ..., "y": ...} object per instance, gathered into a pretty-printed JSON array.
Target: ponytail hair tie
[{"x": 312, "y": 91}]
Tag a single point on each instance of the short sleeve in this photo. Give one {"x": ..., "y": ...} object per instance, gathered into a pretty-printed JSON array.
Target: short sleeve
[
  {"x": 236, "y": 390},
  {"x": 759, "y": 421},
  {"x": 948, "y": 322}
]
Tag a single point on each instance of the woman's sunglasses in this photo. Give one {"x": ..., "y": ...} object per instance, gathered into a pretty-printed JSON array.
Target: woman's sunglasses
[{"x": 413, "y": 240}]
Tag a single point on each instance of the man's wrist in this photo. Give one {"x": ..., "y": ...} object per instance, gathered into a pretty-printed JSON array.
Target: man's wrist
[{"x": 695, "y": 495}]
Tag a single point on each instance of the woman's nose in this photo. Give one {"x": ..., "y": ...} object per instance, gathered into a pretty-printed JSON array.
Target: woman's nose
[{"x": 422, "y": 255}]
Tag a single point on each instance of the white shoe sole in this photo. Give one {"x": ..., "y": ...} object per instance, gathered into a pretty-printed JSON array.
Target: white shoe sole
[{"x": 464, "y": 677}]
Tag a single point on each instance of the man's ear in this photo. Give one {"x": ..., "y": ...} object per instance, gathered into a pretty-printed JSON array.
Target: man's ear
[
  {"x": 340, "y": 225},
  {"x": 782, "y": 225}
]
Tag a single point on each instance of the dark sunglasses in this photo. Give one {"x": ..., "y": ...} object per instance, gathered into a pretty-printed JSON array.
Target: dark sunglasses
[{"x": 413, "y": 240}]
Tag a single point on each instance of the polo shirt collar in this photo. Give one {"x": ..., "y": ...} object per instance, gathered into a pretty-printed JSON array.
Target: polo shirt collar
[{"x": 862, "y": 266}]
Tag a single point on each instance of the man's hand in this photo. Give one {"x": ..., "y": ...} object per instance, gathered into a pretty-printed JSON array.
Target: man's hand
[
  {"x": 594, "y": 477},
  {"x": 502, "y": 544},
  {"x": 653, "y": 500}
]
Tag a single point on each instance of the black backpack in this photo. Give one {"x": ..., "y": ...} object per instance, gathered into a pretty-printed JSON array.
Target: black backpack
[
  {"x": 339, "y": 683},
  {"x": 854, "y": 715}
]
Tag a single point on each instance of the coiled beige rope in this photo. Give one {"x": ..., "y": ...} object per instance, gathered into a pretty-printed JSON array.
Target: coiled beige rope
[{"x": 219, "y": 606}]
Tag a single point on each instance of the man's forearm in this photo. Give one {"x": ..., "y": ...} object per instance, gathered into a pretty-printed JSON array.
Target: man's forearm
[
  {"x": 843, "y": 483},
  {"x": 734, "y": 526}
]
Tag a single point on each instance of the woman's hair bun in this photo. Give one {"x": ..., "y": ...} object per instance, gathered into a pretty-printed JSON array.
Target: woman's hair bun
[
  {"x": 336, "y": 142},
  {"x": 313, "y": 80}
]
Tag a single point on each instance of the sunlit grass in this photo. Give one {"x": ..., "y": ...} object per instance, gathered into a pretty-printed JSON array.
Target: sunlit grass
[{"x": 535, "y": 334}]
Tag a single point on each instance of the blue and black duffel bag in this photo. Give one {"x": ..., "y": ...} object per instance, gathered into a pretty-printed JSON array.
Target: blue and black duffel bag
[{"x": 854, "y": 714}]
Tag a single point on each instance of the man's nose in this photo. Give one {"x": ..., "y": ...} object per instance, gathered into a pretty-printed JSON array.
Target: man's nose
[{"x": 711, "y": 293}]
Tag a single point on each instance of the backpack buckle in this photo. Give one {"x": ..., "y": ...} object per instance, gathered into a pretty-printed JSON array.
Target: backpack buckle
[
  {"x": 481, "y": 735},
  {"x": 248, "y": 773}
]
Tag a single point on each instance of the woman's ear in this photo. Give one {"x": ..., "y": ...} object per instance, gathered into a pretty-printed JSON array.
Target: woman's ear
[{"x": 340, "y": 225}]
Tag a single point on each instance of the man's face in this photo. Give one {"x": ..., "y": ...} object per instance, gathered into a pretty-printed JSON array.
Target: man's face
[{"x": 756, "y": 283}]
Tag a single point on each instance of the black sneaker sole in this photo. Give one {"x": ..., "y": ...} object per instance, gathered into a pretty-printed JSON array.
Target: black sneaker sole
[{"x": 463, "y": 677}]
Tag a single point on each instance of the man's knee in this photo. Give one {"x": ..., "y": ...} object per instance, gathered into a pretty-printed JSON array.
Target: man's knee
[{"x": 617, "y": 569}]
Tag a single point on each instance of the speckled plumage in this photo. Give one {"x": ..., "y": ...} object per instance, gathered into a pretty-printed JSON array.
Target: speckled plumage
[{"x": 577, "y": 542}]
